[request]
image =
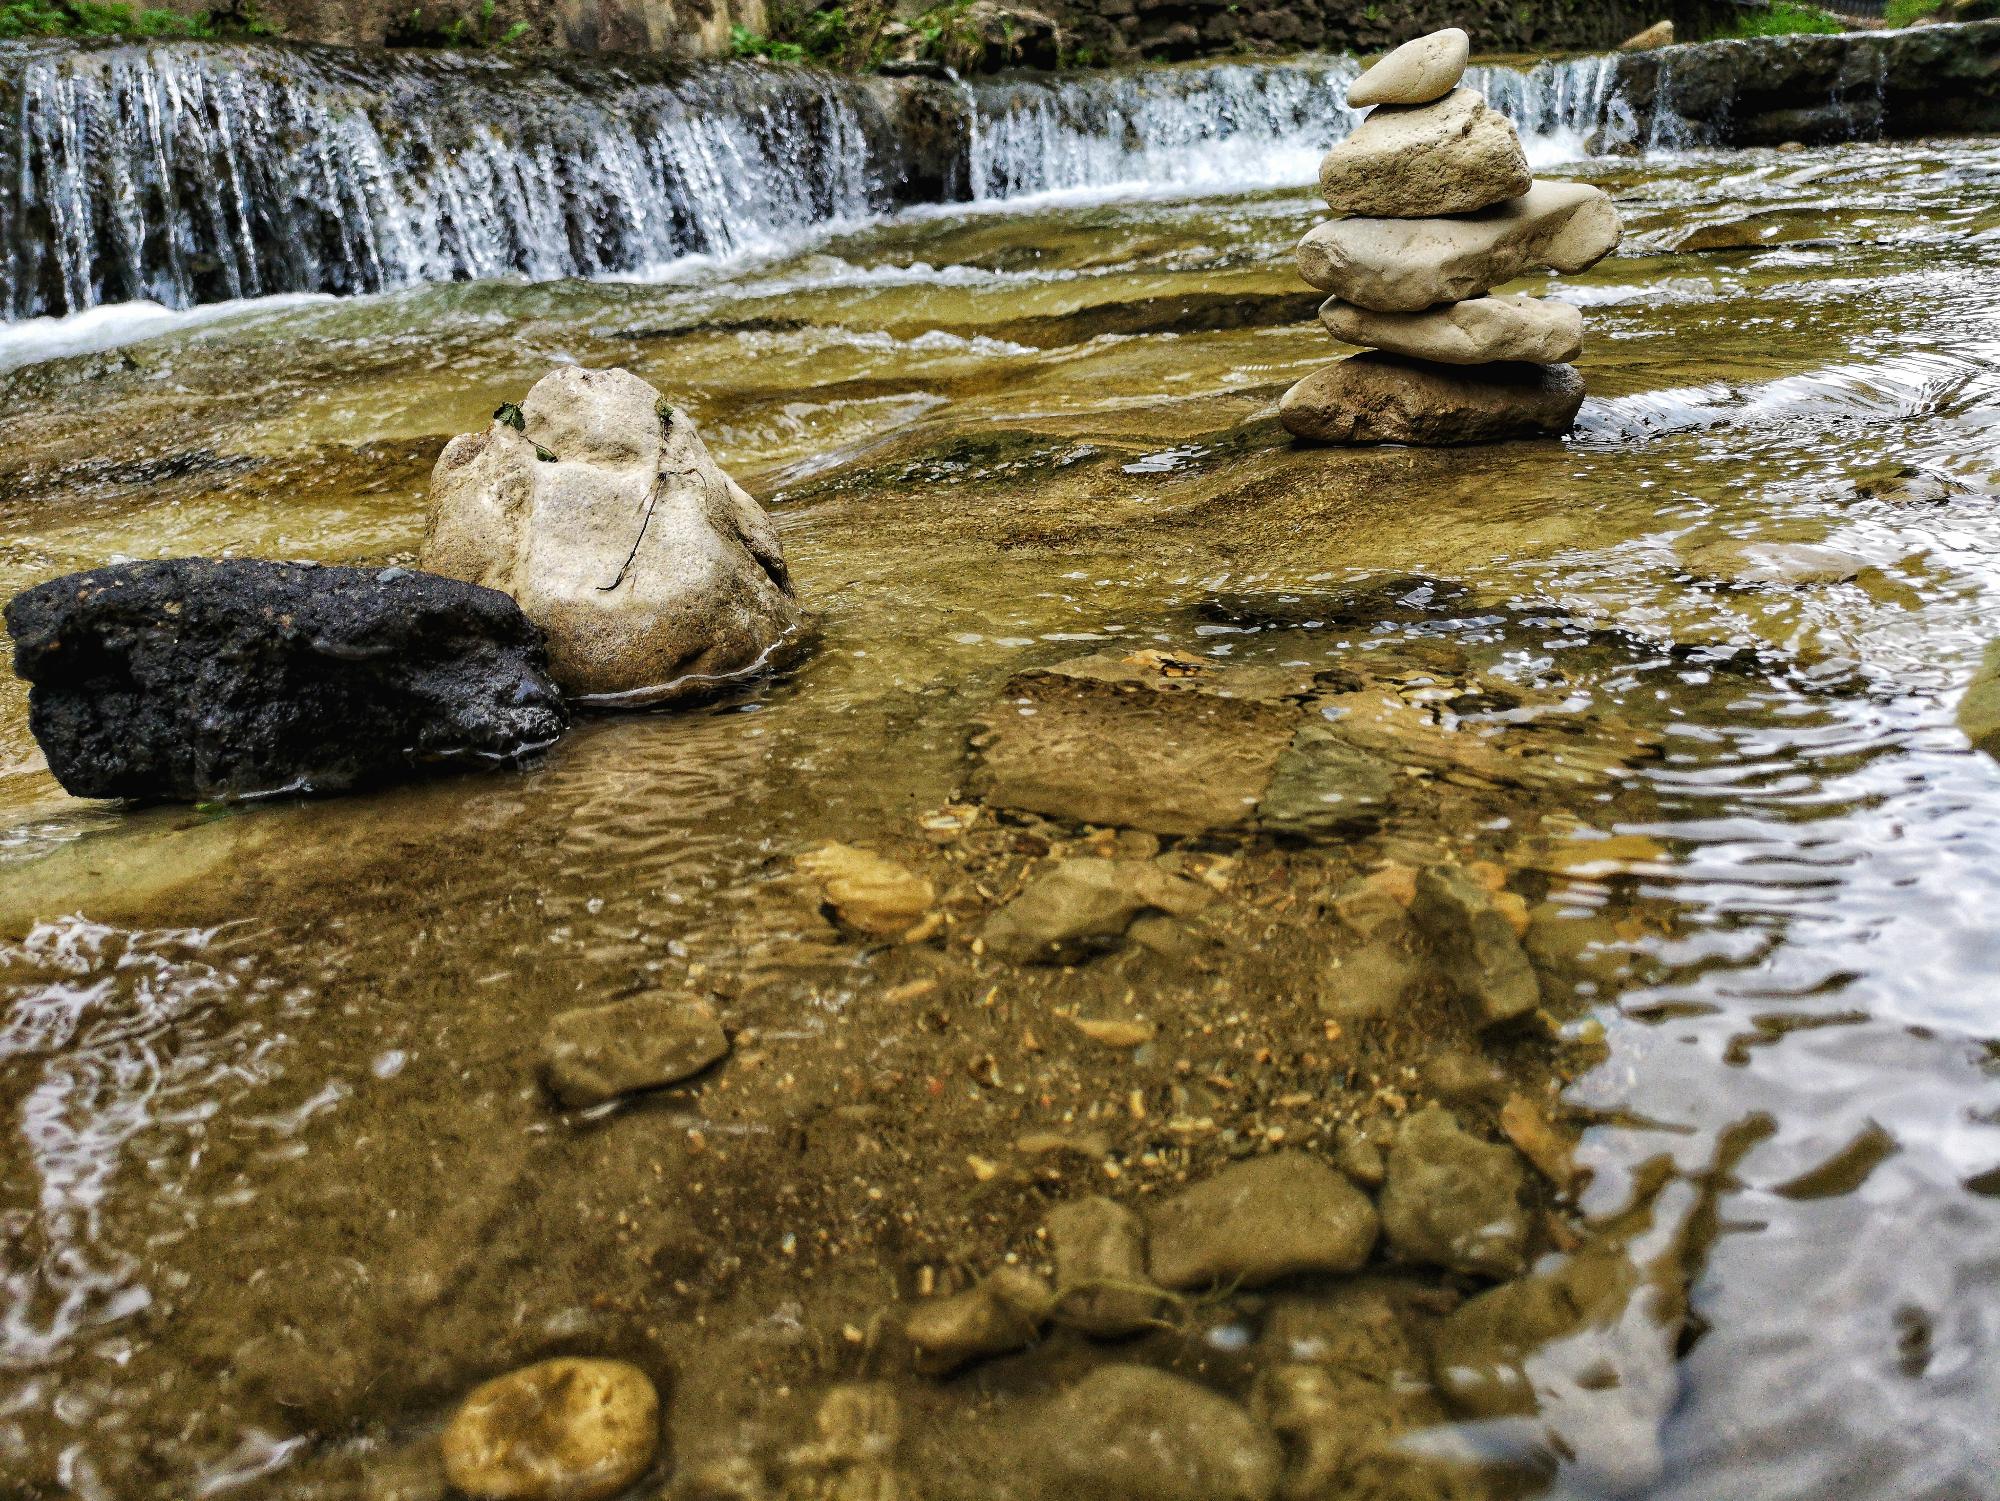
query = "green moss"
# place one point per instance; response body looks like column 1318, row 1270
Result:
column 1782, row 18
column 1909, row 12
column 477, row 28
column 93, row 18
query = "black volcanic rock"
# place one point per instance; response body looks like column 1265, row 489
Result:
column 201, row 678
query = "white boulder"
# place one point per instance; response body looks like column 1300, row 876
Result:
column 653, row 573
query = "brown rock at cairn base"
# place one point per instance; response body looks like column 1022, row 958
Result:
column 1387, row 398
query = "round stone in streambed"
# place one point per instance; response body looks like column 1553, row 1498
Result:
column 202, row 678
column 1002, row 1313
column 1131, row 1433
column 868, row 893
column 1452, row 1200
column 1102, row 1287
column 1258, row 1221
column 1390, row 398
column 1479, row 331
column 1416, row 72
column 597, row 506
column 648, row 1042
column 1407, row 265
column 563, row 1430
column 1412, row 161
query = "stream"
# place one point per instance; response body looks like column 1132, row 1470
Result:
column 279, row 1184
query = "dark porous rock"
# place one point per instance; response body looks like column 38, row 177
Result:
column 1261, row 1220
column 1387, row 398
column 199, row 678
column 1131, row 1433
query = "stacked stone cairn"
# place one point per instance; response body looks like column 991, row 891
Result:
column 1436, row 208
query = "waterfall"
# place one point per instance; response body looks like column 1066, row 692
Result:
column 184, row 173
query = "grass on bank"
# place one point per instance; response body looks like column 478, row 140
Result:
column 96, row 18
column 1783, row 18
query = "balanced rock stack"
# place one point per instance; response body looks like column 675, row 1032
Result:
column 1438, row 208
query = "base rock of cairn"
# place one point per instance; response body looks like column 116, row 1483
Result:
column 1435, row 208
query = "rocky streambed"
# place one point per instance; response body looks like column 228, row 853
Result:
column 1232, row 970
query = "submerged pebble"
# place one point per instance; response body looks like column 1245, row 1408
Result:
column 1101, row 1282
column 1131, row 1433
column 1261, row 1220
column 1002, row 1313
column 1452, row 1200
column 647, row 1042
column 562, row 1430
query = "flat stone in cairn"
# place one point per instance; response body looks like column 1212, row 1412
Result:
column 1416, row 72
column 1475, row 332
column 1437, row 209
column 1387, row 398
column 1413, row 161
column 1407, row 265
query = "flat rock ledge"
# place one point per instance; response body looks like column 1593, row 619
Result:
column 202, row 678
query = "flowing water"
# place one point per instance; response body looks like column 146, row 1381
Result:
column 279, row 1181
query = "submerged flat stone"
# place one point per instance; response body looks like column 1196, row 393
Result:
column 1979, row 710
column 1387, row 398
column 1481, row 331
column 1406, row 265
column 1149, row 740
column 1408, row 161
column 1452, row 1200
column 1416, row 72
column 646, row 1042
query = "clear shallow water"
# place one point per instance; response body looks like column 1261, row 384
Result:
column 273, row 1141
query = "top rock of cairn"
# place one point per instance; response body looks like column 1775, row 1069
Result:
column 1416, row 72
column 1435, row 207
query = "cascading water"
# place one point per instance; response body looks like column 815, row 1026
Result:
column 184, row 174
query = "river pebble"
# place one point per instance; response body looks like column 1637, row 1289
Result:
column 601, row 1052
column 1002, row 1313
column 1261, row 1220
column 1131, row 1433
column 1452, row 1200
column 562, row 1430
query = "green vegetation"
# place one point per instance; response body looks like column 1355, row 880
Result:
column 479, row 28
column 837, row 36
column 1909, row 12
column 1782, row 18
column 95, row 18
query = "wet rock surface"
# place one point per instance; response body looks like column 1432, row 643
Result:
column 1084, row 906
column 1979, row 710
column 599, row 1053
column 1386, row 398
column 655, row 575
column 1479, row 944
column 1259, row 1221
column 1102, row 1285
column 1131, row 1433
column 1452, row 1200
column 202, row 678
column 1003, row 1312
column 563, row 1430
